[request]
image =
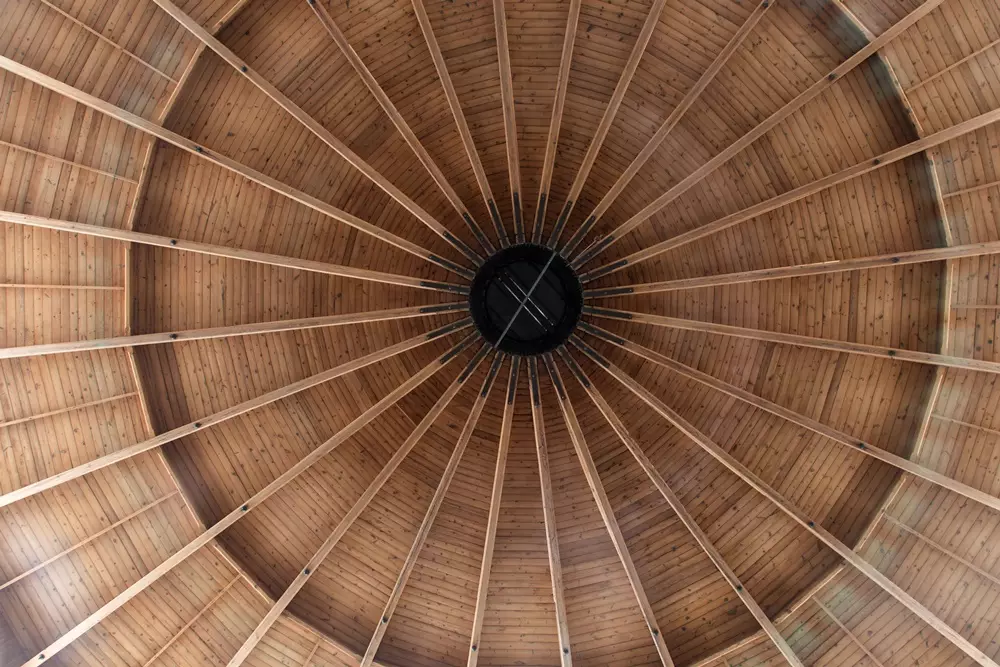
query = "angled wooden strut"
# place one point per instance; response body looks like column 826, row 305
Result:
column 228, row 252
column 606, row 510
column 254, row 501
column 678, row 507
column 494, row 516
column 549, row 512
column 811, row 93
column 227, row 414
column 234, row 166
column 359, row 506
column 558, row 104
column 667, row 127
column 820, row 533
column 312, row 125
column 397, row 119
column 435, row 505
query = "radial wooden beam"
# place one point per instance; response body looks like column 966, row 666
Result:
column 494, row 516
column 435, row 505
column 234, row 166
column 227, row 414
column 228, row 252
column 820, row 533
column 668, row 125
column 359, row 506
column 509, row 118
column 795, row 339
column 797, row 418
column 313, row 125
column 597, row 141
column 811, row 93
column 607, row 511
column 678, row 507
column 253, row 502
column 796, row 194
column 558, row 104
column 299, row 324
column 70, row 408
column 549, row 512
column 456, row 111
column 404, row 128
column 801, row 270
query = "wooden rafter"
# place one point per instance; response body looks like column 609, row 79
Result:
column 359, row 506
column 234, row 166
column 558, row 104
column 811, row 93
column 299, row 324
column 254, row 501
column 69, row 408
column 606, row 510
column 456, row 111
column 799, row 193
column 494, row 516
column 227, row 414
column 597, row 141
column 802, row 270
column 226, row 251
column 312, row 125
column 678, row 507
column 820, row 533
column 930, row 358
column 509, row 118
column 404, row 128
column 850, row 635
column 668, row 125
column 435, row 505
column 549, row 512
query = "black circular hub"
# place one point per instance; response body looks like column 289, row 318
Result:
column 549, row 314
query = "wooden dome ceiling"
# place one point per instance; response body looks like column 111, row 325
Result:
column 246, row 418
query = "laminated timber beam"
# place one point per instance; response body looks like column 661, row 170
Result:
column 509, row 118
column 494, row 516
column 206, row 537
column 436, row 501
column 811, row 93
column 159, row 132
column 226, row 414
column 352, row 515
column 816, row 530
column 678, row 507
column 606, row 510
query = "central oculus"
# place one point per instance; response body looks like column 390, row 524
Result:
column 549, row 314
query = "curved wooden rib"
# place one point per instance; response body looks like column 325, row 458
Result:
column 771, row 122
column 798, row 193
column 607, row 511
column 228, row 413
column 800, row 270
column 675, row 504
column 308, row 122
column 597, row 141
column 558, row 104
column 667, row 127
column 359, row 506
column 494, row 517
column 230, row 331
column 463, row 126
column 794, row 417
column 238, row 168
column 796, row 339
column 442, row 490
column 226, row 251
column 404, row 129
column 737, row 468
column 509, row 118
column 549, row 511
column 258, row 498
